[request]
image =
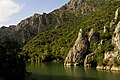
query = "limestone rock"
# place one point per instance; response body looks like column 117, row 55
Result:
column 79, row 7
column 77, row 53
column 111, row 58
column 88, row 62
column 93, row 35
column 111, row 24
column 74, row 3
column 90, row 58
column 31, row 26
column 116, row 37
column 117, row 13
column 106, row 29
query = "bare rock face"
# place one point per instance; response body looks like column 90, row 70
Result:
column 74, row 3
column 116, row 38
column 111, row 59
column 117, row 13
column 79, row 7
column 106, row 29
column 93, row 35
column 77, row 53
column 31, row 26
column 89, row 60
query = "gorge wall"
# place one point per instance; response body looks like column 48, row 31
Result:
column 81, row 32
column 110, row 59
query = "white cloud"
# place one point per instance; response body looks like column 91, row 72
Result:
column 7, row 9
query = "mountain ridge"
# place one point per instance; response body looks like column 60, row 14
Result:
column 49, row 37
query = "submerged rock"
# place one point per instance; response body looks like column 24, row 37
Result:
column 77, row 53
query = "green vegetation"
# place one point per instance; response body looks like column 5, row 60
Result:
column 12, row 65
column 54, row 43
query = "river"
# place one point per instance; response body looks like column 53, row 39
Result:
column 55, row 71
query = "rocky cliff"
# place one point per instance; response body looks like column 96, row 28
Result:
column 30, row 27
column 56, row 36
column 26, row 29
column 111, row 57
column 78, row 52
column 79, row 7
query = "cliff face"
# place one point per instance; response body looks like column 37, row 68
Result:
column 116, row 37
column 78, row 52
column 79, row 7
column 30, row 27
column 26, row 29
column 95, row 17
column 56, row 36
column 72, row 4
column 111, row 57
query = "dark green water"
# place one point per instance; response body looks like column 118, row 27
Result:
column 52, row 71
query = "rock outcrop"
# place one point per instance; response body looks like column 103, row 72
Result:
column 79, row 7
column 116, row 37
column 106, row 29
column 77, row 53
column 26, row 29
column 89, row 60
column 117, row 14
column 93, row 35
column 74, row 3
column 111, row 59
column 31, row 26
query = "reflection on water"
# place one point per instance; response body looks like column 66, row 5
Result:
column 52, row 71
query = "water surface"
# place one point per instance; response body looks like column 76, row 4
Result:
column 54, row 71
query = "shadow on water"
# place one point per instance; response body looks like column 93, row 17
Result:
column 51, row 77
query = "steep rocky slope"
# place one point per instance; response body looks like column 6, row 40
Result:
column 26, row 29
column 52, row 37
column 55, row 43
column 78, row 52
column 31, row 26
column 110, row 59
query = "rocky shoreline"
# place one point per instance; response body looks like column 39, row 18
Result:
column 113, row 68
column 79, row 54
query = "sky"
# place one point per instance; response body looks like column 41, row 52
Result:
column 13, row 11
